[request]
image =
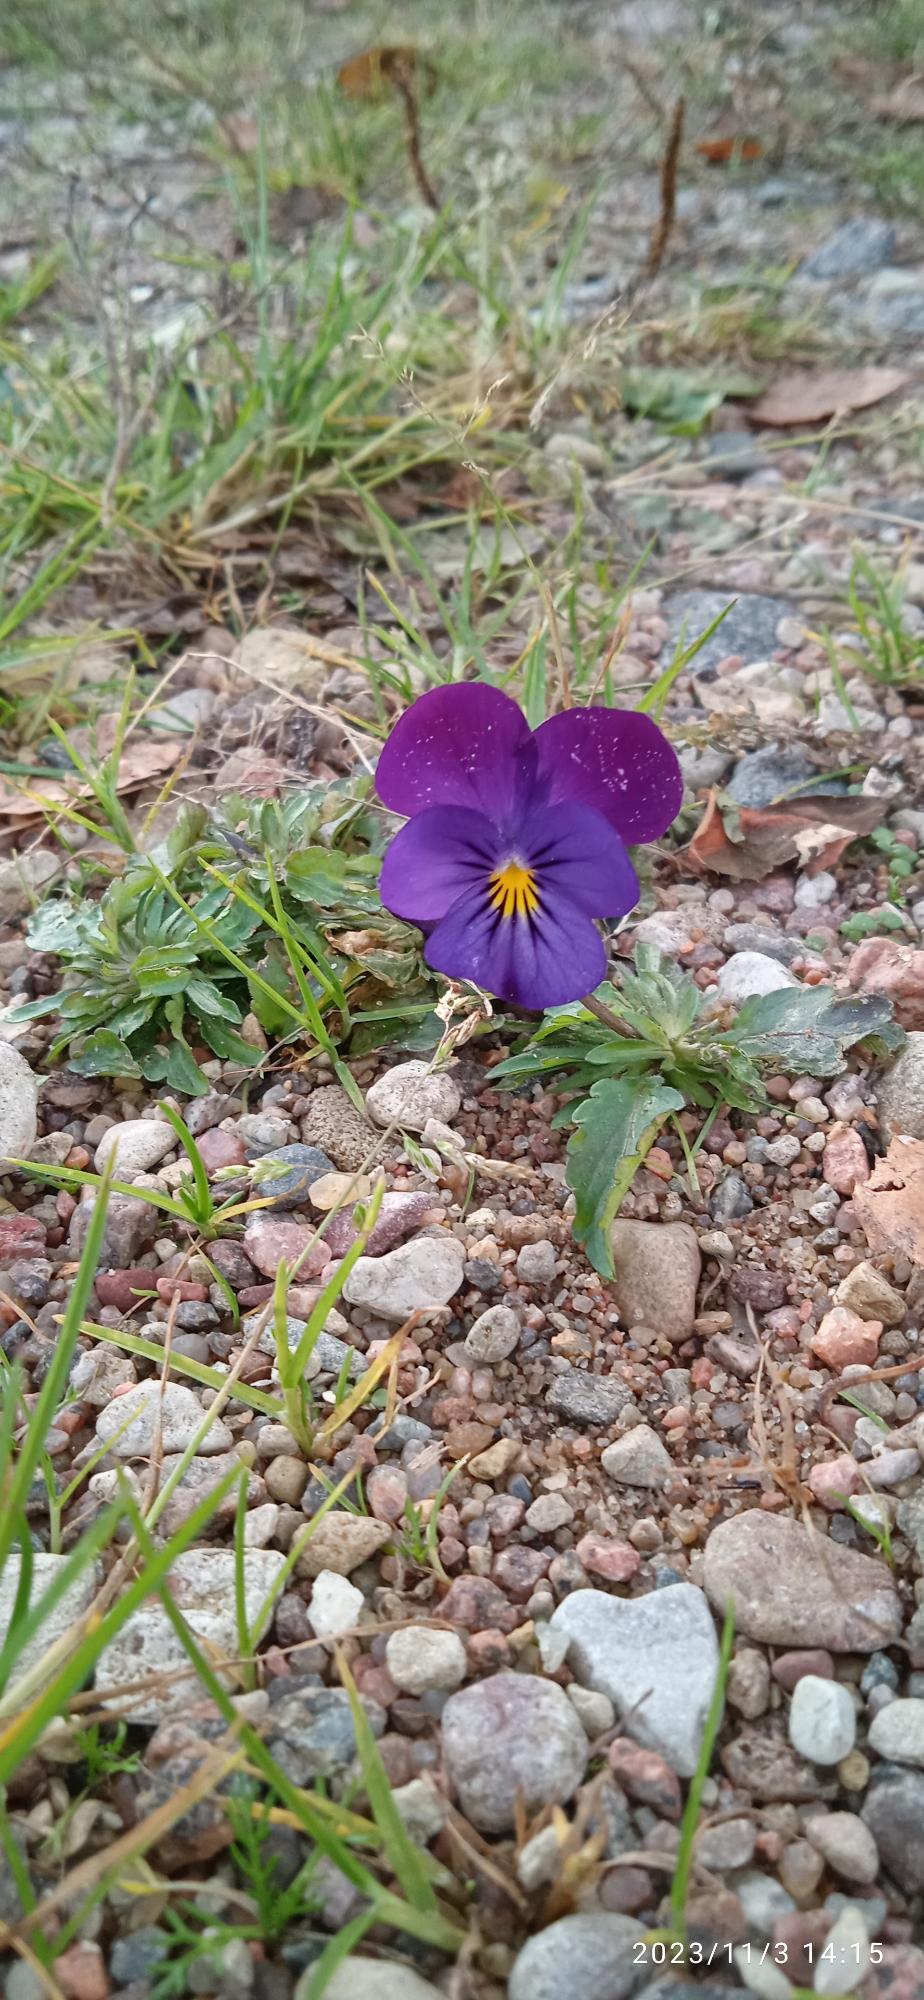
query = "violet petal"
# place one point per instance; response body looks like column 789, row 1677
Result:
column 456, row 746
column 574, row 850
column 435, row 859
column 545, row 960
column 615, row 760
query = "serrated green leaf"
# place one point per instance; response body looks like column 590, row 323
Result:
column 614, row 1129
column 809, row 1029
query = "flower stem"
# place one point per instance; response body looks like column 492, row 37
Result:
column 604, row 1014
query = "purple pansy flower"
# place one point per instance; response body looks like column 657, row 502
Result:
column 515, row 838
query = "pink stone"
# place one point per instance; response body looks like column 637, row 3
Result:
column 398, row 1217
column 21, row 1236
column 386, row 1492
column 844, row 1160
column 789, row 1668
column 221, row 1149
column 616, row 1561
column 844, row 1339
column 81, row 1972
column 646, row 1777
column 169, row 1287
column 882, row 965
column 122, row 1288
column 517, row 1569
column 271, row 1240
column 835, row 1481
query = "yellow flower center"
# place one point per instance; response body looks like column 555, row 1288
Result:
column 513, row 891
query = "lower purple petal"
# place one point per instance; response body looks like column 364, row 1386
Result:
column 615, row 760
column 575, row 852
column 456, row 745
column 436, row 858
column 534, row 962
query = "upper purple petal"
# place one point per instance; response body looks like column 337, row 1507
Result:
column 535, row 962
column 615, row 760
column 435, row 859
column 576, row 852
column 456, row 746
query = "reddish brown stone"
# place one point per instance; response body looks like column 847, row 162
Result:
column 646, row 1777
column 21, row 1236
column 477, row 1603
column 789, row 1668
column 616, row 1561
column 764, row 1290
column 844, row 1160
column 181, row 1288
column 221, row 1149
column 518, row 1569
column 122, row 1288
column 487, row 1651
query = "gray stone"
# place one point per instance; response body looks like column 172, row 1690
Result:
column 845, row 1844
column 536, row 1263
column 895, row 309
column 590, row 1955
column 792, row 1588
column 507, row 1737
column 656, row 1657
column 763, row 1900
column 657, row 1268
column 135, row 1147
column 310, row 1728
column 749, row 973
column 284, row 1176
column 359, row 1978
column 731, row 1201
column 77, row 1599
column 587, row 1399
column 638, row 1458
column 769, row 774
column 130, row 1224
column 732, row 454
column 18, row 1104
column 342, row 1541
column 418, row 1276
column 860, row 245
column 772, row 944
column 493, row 1335
column 183, row 710
column 897, row 1732
column 423, row 1809
column 900, row 1092
column 131, row 1423
column 749, row 628
column 202, row 1585
column 410, row 1094
column 704, row 767
column 420, row 1657
column 333, row 1122
column 24, row 877
column 822, row 1720
column 893, row 1810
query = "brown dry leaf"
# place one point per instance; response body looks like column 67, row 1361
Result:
column 904, row 104
column 809, row 396
column 813, row 831
column 718, row 152
column 371, row 74
column 142, row 759
column 890, row 1205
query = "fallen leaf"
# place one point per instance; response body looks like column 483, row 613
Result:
column 369, row 75
column 890, row 1205
column 758, row 840
column 807, row 397
column 904, row 104
column 142, row 759
column 718, row 152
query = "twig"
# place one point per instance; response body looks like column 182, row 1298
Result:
column 604, row 1014
column 402, row 78
column 665, row 222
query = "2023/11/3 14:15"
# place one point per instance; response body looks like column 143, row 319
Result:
column 663, row 1951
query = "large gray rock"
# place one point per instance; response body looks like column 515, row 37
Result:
column 792, row 1588
column 75, row 1601
column 656, row 1657
column 509, row 1736
column 897, row 1732
column 18, row 1102
column 894, row 1813
column 131, row 1424
column 657, row 1267
column 130, row 1224
column 371, row 1979
column 900, row 1092
column 202, row 1584
column 589, row 1955
column 860, row 245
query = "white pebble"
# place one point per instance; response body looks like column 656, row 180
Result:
column 822, row 1720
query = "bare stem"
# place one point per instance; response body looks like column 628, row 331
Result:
column 605, row 1014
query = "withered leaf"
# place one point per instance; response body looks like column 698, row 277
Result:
column 812, row 831
column 809, row 396
column 890, row 1205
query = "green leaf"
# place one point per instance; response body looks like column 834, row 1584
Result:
column 183, row 1072
column 809, row 1029
column 614, row 1129
column 103, row 1054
